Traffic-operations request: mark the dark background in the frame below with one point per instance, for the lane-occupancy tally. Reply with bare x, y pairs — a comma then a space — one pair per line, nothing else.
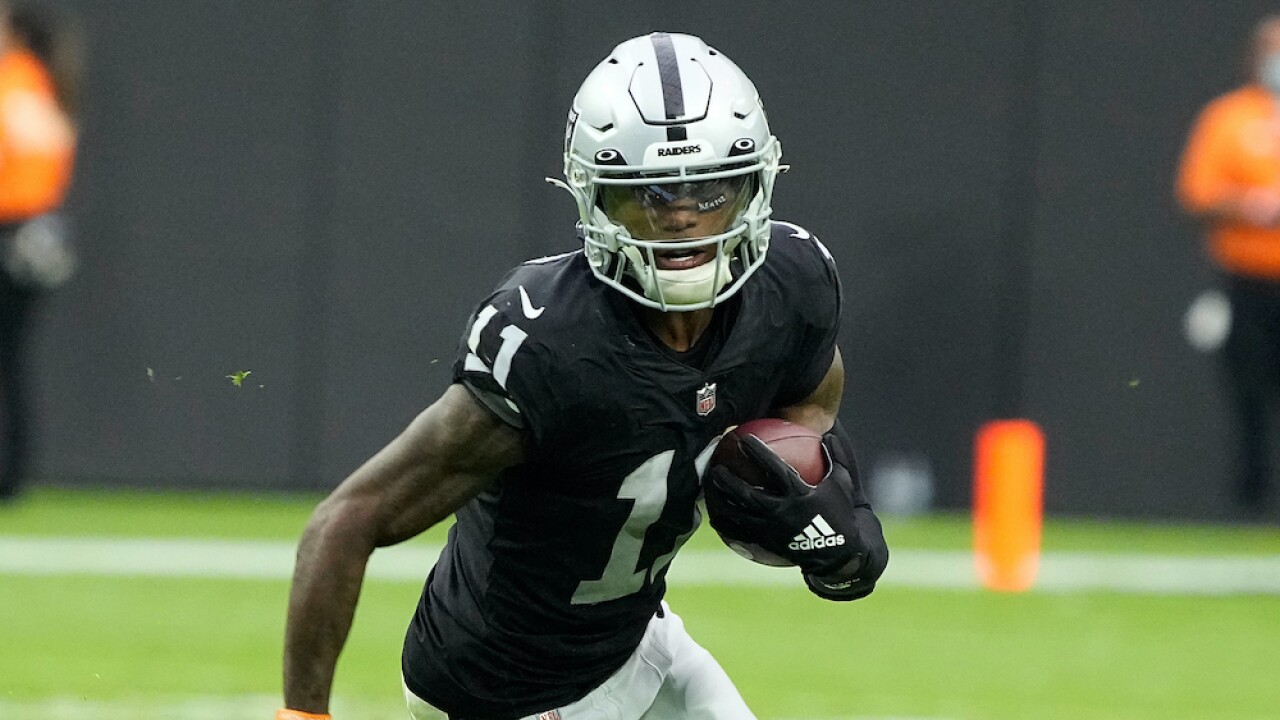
318, 192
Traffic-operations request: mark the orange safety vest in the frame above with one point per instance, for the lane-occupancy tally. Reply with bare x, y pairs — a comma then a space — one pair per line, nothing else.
37, 140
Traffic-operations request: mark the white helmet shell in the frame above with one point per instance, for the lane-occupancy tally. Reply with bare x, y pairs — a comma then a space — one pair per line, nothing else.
666, 108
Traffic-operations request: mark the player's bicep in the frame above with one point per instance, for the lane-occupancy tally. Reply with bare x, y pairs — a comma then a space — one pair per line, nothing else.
448, 454
818, 411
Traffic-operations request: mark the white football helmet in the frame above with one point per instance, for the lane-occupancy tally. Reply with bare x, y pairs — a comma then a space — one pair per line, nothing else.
668, 122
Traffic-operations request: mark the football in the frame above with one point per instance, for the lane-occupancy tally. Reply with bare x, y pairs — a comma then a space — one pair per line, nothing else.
797, 445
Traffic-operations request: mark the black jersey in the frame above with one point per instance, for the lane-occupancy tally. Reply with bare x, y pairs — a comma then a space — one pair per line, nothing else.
550, 577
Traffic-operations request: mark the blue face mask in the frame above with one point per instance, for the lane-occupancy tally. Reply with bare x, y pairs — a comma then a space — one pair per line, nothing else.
1269, 73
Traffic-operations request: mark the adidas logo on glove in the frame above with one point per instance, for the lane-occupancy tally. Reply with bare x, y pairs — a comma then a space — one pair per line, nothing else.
816, 536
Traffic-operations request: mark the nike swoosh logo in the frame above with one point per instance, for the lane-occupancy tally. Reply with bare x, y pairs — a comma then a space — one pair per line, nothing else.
800, 233
526, 305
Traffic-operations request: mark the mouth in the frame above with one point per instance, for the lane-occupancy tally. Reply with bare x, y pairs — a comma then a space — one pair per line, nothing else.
682, 259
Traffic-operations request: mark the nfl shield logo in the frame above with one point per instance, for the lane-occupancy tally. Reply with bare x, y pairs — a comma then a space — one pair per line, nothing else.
707, 399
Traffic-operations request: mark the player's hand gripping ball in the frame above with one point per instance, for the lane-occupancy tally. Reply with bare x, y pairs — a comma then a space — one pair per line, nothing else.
796, 445
828, 529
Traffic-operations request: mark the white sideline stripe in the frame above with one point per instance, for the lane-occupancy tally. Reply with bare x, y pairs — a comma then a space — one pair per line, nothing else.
198, 707
215, 707
273, 560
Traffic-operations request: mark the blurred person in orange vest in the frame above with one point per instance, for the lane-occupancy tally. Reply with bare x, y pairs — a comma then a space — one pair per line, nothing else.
39, 74
1230, 181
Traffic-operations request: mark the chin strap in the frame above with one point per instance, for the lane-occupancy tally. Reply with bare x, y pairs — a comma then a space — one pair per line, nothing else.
694, 284
678, 287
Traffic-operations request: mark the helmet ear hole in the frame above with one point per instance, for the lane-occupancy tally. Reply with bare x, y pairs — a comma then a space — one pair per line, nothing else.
609, 156
742, 146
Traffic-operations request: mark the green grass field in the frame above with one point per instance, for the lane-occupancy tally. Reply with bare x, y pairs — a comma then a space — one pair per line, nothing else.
188, 648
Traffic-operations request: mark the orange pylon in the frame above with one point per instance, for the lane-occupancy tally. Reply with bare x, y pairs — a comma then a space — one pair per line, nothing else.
1008, 504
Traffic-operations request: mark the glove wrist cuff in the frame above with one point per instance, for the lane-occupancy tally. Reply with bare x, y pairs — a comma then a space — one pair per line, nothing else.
831, 583
287, 714
843, 590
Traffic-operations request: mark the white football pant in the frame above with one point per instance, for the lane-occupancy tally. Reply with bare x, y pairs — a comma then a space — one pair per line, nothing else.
668, 677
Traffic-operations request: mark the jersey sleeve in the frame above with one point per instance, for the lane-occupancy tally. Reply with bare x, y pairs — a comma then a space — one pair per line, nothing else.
1203, 171
504, 368
37, 140
819, 297
474, 368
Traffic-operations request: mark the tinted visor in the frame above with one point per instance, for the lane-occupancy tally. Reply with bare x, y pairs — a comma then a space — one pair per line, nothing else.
673, 210
704, 196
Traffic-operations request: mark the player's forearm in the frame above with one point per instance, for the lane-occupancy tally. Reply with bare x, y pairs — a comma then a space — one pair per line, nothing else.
330, 568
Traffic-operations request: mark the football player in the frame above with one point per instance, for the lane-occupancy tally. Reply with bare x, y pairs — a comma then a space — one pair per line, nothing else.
589, 392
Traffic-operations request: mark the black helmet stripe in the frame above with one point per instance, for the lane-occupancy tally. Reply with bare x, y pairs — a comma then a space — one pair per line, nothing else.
672, 88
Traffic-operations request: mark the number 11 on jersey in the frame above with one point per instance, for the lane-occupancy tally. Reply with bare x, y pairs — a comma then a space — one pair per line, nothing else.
647, 487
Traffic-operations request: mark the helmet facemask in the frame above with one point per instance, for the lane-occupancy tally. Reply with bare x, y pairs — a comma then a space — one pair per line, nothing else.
640, 227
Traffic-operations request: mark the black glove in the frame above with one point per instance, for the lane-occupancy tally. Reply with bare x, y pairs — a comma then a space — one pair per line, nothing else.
828, 530
856, 578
